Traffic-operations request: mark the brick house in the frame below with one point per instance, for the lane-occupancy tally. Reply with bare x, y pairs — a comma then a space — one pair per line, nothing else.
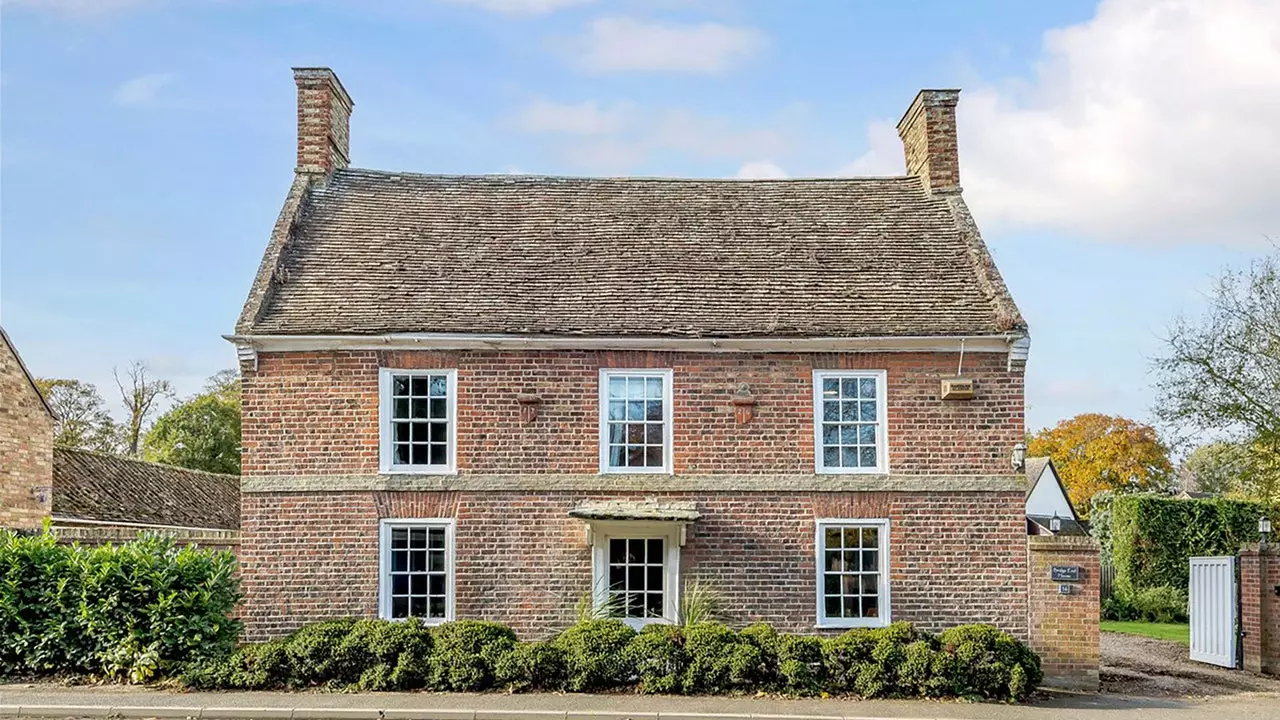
491, 396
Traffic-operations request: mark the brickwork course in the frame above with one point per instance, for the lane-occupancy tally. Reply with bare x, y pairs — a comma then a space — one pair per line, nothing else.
526, 288
1063, 627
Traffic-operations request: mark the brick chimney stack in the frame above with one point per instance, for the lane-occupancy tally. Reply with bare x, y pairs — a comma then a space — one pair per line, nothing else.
324, 117
928, 132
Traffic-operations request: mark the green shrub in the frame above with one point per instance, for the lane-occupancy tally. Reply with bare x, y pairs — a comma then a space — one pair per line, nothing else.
595, 655
868, 661
1162, 604
466, 653
385, 655
800, 667
758, 669
532, 666
251, 667
988, 663
1153, 536
313, 652
134, 611
658, 657
718, 659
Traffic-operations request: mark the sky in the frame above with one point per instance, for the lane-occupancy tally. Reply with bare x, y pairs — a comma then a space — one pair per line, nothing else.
1116, 155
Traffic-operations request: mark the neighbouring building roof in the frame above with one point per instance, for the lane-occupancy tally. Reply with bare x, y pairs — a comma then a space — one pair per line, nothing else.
636, 510
1047, 496
387, 252
106, 488
5, 342
1042, 525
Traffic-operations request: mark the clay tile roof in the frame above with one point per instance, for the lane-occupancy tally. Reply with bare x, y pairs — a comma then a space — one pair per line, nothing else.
95, 486
378, 252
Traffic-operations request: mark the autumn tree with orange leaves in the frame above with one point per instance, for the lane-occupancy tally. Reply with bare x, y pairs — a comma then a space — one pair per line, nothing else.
1095, 452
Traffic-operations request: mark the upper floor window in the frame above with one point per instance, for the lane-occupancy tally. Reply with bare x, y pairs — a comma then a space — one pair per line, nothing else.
635, 421
849, 421
418, 428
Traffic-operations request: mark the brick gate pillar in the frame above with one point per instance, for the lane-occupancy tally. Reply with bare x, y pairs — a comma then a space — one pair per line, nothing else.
1260, 608
1062, 616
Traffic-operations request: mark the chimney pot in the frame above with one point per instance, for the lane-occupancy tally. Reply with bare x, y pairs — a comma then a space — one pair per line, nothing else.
928, 132
324, 119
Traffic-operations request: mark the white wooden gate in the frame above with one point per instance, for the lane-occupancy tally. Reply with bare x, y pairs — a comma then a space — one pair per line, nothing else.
1213, 596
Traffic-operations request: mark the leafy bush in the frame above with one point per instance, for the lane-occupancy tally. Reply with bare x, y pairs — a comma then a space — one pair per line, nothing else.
867, 661
988, 663
466, 655
134, 611
1162, 604
1153, 536
800, 667
532, 666
595, 655
658, 656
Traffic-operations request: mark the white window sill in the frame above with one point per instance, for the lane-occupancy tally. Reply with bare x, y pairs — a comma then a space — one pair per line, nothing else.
429, 622
640, 623
847, 625
636, 471
852, 471
417, 470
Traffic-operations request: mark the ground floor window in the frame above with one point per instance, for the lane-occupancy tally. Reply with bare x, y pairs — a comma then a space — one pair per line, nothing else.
416, 568
636, 571
853, 573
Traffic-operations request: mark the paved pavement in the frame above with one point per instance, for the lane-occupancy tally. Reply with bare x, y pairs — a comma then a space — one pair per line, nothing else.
54, 701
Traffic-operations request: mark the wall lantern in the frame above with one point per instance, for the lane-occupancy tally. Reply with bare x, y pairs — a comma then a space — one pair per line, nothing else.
1055, 523
1264, 529
744, 404
1019, 457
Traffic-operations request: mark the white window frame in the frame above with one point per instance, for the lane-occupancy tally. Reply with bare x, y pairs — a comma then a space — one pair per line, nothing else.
820, 526
882, 437
386, 451
384, 565
603, 531
668, 431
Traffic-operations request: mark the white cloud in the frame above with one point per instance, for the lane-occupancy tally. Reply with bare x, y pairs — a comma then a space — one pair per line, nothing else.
620, 44
142, 90
76, 9
761, 170
520, 7
1153, 122
585, 118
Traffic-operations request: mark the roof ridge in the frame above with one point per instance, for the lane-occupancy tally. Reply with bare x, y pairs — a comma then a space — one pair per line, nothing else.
139, 461
621, 178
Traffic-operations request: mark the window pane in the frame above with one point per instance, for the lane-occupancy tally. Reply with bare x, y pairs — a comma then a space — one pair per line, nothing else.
870, 559
830, 434
867, 456
420, 384
436, 607
435, 538
617, 550
399, 384
399, 538
867, 434
617, 410
871, 537
849, 411
653, 604
653, 433
635, 409
617, 455
402, 454
849, 457
867, 387
851, 563
401, 432
439, 454
868, 584
439, 385
653, 457
435, 561
832, 537
849, 584
849, 387
831, 457
617, 577
871, 606
831, 410
655, 551
653, 388
418, 584
617, 387
849, 434
400, 408
635, 604
439, 408
399, 607
653, 410
635, 434
833, 606
852, 539
420, 455
868, 410
635, 577
833, 561
654, 579
635, 551
435, 584
399, 560
418, 606
399, 584
830, 387
418, 561
831, 584
420, 408
851, 607
418, 538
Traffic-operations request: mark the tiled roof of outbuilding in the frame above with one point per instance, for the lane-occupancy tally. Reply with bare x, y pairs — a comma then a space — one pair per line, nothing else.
108, 488
380, 252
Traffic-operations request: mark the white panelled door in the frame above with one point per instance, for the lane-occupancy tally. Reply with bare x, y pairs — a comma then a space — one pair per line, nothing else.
1213, 604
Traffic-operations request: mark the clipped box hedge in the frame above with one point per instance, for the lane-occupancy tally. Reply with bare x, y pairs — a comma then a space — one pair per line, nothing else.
606, 655
1153, 536
134, 611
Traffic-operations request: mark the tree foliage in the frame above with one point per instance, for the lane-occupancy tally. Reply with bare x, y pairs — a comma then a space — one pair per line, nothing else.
82, 419
1095, 452
1220, 374
203, 432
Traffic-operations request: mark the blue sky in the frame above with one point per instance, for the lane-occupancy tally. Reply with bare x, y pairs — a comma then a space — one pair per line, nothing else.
1115, 155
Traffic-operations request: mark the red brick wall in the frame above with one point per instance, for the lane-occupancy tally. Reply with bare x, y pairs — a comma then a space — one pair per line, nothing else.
522, 560
1260, 610
1064, 628
316, 413
26, 446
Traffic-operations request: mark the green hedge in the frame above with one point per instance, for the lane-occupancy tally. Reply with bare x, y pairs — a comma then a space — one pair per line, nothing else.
134, 611
1153, 536
606, 655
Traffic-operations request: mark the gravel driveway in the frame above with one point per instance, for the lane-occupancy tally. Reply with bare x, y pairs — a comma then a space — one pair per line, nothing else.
1135, 665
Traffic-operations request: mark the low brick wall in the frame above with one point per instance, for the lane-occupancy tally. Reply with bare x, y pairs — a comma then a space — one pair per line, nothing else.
117, 534
1064, 627
1260, 608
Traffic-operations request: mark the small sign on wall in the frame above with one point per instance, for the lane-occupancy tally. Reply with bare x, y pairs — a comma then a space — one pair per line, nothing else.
1065, 589
1065, 573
